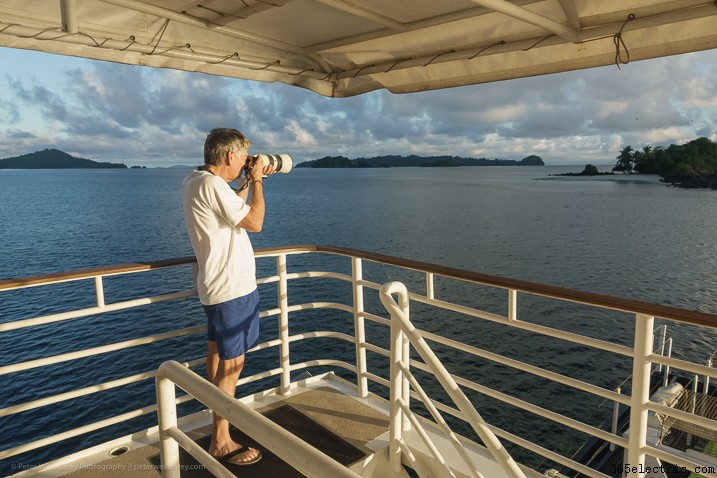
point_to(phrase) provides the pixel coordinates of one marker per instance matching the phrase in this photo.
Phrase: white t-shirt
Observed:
(212, 210)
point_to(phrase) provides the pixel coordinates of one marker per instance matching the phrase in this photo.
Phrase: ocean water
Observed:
(625, 236)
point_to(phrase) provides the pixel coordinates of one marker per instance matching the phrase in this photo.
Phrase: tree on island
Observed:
(625, 160)
(693, 164)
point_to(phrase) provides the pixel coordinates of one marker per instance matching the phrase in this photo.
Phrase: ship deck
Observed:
(324, 411)
(330, 417)
(361, 433)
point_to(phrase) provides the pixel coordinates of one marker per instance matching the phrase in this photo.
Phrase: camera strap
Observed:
(205, 168)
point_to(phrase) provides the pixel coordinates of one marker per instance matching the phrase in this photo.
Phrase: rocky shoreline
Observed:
(692, 182)
(688, 182)
(590, 170)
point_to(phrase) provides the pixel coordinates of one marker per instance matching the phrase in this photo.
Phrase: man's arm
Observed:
(243, 190)
(254, 220)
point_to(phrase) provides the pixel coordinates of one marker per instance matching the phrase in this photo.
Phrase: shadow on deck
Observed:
(335, 423)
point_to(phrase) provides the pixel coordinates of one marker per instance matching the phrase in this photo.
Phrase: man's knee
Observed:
(233, 365)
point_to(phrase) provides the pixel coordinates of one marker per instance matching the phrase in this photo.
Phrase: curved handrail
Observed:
(563, 293)
(400, 319)
(296, 452)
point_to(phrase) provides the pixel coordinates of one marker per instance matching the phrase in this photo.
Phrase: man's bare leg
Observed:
(224, 374)
(212, 360)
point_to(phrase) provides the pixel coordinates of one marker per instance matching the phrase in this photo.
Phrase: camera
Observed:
(282, 162)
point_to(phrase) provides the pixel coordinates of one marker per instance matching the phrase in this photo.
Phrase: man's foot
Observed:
(241, 456)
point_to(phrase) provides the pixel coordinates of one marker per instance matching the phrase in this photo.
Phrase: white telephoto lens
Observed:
(282, 162)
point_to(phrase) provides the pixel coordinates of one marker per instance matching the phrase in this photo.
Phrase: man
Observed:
(217, 219)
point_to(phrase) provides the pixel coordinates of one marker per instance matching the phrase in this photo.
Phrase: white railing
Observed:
(294, 451)
(640, 353)
(403, 333)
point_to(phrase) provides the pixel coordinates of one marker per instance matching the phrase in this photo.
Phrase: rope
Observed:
(617, 39)
(188, 46)
(233, 55)
(399, 61)
(359, 71)
(266, 66)
(131, 42)
(538, 42)
(160, 32)
(502, 42)
(437, 56)
(302, 71)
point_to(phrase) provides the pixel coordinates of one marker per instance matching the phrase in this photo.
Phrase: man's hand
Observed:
(256, 168)
(269, 169)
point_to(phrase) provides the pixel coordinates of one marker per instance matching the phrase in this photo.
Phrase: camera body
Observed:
(282, 162)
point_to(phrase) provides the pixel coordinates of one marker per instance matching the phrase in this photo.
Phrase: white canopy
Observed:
(342, 48)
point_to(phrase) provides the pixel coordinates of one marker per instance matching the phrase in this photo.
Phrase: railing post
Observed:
(99, 292)
(167, 419)
(512, 305)
(406, 359)
(283, 299)
(615, 416)
(640, 394)
(706, 387)
(663, 339)
(666, 370)
(359, 330)
(695, 387)
(398, 389)
(430, 286)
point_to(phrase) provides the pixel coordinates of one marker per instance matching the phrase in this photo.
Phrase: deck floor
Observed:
(346, 416)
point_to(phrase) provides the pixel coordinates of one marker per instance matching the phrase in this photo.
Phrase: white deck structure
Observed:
(341, 48)
(428, 446)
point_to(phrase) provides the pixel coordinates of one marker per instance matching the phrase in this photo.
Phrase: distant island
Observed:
(392, 161)
(589, 170)
(53, 159)
(691, 165)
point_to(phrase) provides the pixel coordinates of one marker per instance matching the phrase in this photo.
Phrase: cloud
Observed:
(50, 103)
(9, 112)
(151, 116)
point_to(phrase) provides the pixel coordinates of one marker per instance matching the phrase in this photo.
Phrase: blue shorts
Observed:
(234, 325)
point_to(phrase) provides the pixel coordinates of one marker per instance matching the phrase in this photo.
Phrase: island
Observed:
(690, 165)
(53, 159)
(589, 170)
(393, 161)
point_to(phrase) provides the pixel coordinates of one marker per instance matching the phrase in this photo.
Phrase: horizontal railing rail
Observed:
(642, 312)
(589, 298)
(604, 301)
(59, 277)
(97, 274)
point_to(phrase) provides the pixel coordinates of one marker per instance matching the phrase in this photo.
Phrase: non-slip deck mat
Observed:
(270, 465)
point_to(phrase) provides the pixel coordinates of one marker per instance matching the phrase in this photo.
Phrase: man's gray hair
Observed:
(222, 140)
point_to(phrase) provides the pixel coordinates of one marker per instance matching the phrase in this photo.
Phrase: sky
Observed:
(156, 118)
